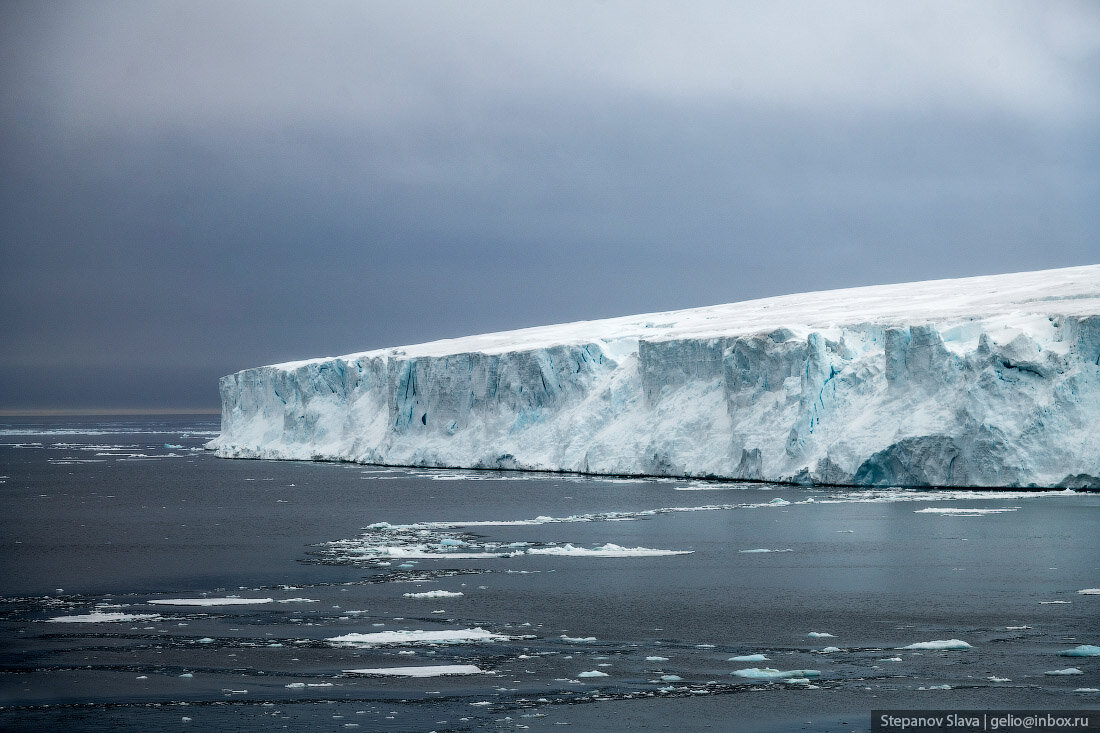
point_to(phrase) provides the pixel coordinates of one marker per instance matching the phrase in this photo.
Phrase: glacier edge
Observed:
(984, 382)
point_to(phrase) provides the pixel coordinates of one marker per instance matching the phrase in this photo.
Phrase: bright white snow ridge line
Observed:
(985, 381)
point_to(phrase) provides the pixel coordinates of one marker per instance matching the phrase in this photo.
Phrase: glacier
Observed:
(987, 381)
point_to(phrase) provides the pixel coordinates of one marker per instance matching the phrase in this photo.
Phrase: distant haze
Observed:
(192, 188)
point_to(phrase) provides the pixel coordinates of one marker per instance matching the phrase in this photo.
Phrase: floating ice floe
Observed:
(820, 635)
(998, 679)
(749, 658)
(608, 550)
(945, 644)
(767, 673)
(1087, 689)
(104, 618)
(964, 511)
(1084, 650)
(1066, 671)
(443, 636)
(593, 673)
(829, 650)
(438, 670)
(764, 549)
(434, 594)
(578, 639)
(671, 678)
(656, 659)
(1089, 592)
(231, 601)
(299, 600)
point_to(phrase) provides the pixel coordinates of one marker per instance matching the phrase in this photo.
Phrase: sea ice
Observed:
(656, 659)
(438, 670)
(101, 617)
(764, 549)
(593, 673)
(963, 511)
(939, 645)
(608, 550)
(767, 673)
(1084, 650)
(231, 601)
(820, 635)
(434, 594)
(418, 637)
(749, 658)
(1066, 671)
(1089, 591)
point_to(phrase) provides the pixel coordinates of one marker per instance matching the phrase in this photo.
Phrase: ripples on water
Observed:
(150, 586)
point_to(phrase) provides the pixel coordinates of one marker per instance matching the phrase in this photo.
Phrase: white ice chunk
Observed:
(101, 617)
(434, 594)
(593, 673)
(418, 637)
(438, 670)
(608, 550)
(1066, 671)
(820, 635)
(964, 512)
(749, 658)
(1089, 591)
(1084, 650)
(939, 645)
(768, 673)
(231, 601)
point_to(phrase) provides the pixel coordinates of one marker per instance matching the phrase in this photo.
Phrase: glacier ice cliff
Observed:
(986, 381)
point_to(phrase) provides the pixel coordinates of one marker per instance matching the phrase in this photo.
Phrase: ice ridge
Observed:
(983, 382)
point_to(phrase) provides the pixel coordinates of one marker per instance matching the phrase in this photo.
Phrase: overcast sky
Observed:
(192, 188)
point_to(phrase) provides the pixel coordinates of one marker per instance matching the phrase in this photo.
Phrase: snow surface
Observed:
(987, 381)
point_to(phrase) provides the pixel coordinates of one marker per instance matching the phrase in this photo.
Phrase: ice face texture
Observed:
(986, 381)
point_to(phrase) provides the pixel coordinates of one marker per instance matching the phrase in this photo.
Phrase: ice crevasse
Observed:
(984, 381)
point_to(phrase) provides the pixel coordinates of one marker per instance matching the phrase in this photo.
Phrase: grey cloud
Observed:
(213, 187)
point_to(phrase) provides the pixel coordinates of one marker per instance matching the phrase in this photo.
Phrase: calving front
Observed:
(990, 381)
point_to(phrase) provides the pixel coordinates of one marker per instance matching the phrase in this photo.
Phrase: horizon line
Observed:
(91, 411)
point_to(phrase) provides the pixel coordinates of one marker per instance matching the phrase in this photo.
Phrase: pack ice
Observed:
(984, 381)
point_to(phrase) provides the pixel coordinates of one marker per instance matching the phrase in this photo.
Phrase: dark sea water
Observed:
(103, 517)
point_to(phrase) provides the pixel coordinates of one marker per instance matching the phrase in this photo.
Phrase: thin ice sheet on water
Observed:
(230, 601)
(437, 670)
(104, 617)
(441, 636)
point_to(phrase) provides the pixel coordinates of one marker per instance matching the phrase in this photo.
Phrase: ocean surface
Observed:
(146, 585)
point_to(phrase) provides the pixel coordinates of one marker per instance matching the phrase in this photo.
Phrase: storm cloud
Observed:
(188, 189)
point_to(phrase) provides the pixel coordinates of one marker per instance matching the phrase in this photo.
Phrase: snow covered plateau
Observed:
(984, 381)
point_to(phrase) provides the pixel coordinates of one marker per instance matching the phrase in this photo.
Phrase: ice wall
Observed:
(990, 381)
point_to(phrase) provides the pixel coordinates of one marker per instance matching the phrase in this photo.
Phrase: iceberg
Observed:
(978, 382)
